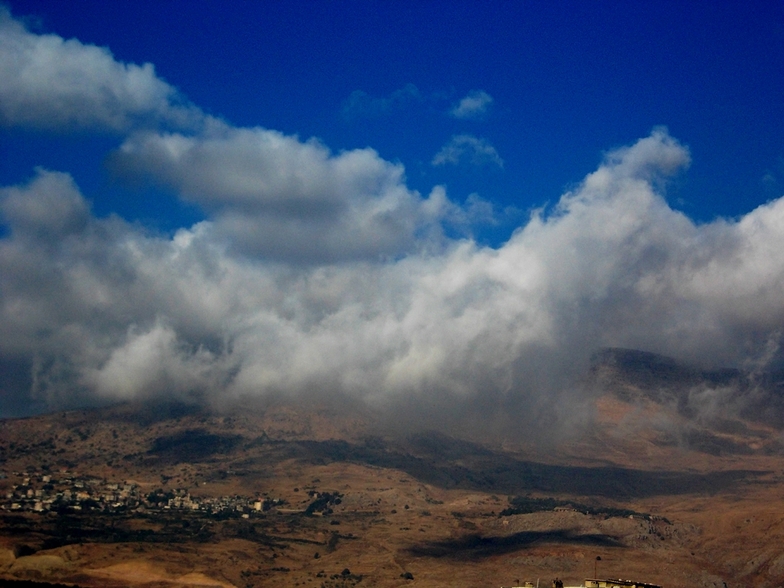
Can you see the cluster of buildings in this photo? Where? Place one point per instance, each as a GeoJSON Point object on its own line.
{"type": "Point", "coordinates": [69, 492]}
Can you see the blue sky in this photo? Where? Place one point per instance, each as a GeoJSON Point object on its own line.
{"type": "Point", "coordinates": [446, 206]}
{"type": "Point", "coordinates": [568, 81]}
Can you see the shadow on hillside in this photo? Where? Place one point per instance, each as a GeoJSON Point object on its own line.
{"type": "Point", "coordinates": [477, 547]}
{"type": "Point", "coordinates": [474, 467]}
{"type": "Point", "coordinates": [192, 445]}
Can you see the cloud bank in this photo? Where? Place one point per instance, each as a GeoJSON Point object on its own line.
{"type": "Point", "coordinates": [322, 274]}
{"type": "Point", "coordinates": [96, 308]}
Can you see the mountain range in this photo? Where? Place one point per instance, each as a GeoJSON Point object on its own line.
{"type": "Point", "coordinates": [673, 478]}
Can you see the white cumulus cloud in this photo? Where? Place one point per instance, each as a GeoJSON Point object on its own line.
{"type": "Point", "coordinates": [462, 331]}
{"type": "Point", "coordinates": [53, 83]}
{"type": "Point", "coordinates": [273, 196]}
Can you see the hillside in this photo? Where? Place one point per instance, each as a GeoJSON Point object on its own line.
{"type": "Point", "coordinates": [659, 487]}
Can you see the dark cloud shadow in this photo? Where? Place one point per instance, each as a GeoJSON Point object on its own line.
{"type": "Point", "coordinates": [447, 463]}
{"type": "Point", "coordinates": [478, 547]}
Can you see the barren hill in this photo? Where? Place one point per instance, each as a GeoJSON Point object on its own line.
{"type": "Point", "coordinates": [676, 482]}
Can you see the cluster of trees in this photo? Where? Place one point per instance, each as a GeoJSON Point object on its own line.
{"type": "Point", "coordinates": [322, 502]}
{"type": "Point", "coordinates": [529, 504]}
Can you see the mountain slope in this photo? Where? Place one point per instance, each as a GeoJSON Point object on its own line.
{"type": "Point", "coordinates": [661, 488]}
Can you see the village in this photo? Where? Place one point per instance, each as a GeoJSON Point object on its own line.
{"type": "Point", "coordinates": [69, 492]}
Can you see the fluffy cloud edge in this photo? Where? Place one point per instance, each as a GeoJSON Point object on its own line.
{"type": "Point", "coordinates": [55, 84]}
{"type": "Point", "coordinates": [276, 197]}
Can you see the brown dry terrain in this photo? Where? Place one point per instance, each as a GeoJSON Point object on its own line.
{"type": "Point", "coordinates": [661, 488]}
